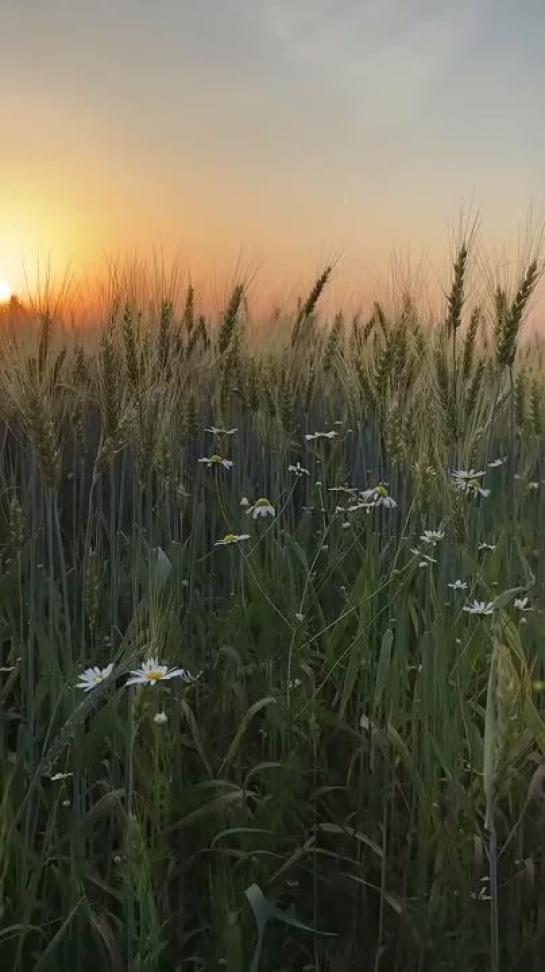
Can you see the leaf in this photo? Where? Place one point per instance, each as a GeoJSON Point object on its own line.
{"type": "Point", "coordinates": [383, 665]}
{"type": "Point", "coordinates": [333, 828]}
{"type": "Point", "coordinates": [245, 722]}
{"type": "Point", "coordinates": [263, 911]}
{"type": "Point", "coordinates": [211, 808]}
{"type": "Point", "coordinates": [489, 746]}
{"type": "Point", "coordinates": [162, 568]}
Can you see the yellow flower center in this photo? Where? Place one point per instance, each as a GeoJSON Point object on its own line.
{"type": "Point", "coordinates": [262, 502]}
{"type": "Point", "coordinates": [230, 538]}
{"type": "Point", "coordinates": [216, 458]}
{"type": "Point", "coordinates": [474, 484]}
{"type": "Point", "coordinates": [154, 676]}
{"type": "Point", "coordinates": [381, 490]}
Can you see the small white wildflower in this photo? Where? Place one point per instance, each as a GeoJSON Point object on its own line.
{"type": "Point", "coordinates": [458, 585]}
{"type": "Point", "coordinates": [298, 470]}
{"type": "Point", "coordinates": [432, 537]}
{"type": "Point", "coordinates": [300, 617]}
{"type": "Point", "coordinates": [219, 432]}
{"type": "Point", "coordinates": [497, 462]}
{"type": "Point", "coordinates": [467, 474]}
{"type": "Point", "coordinates": [310, 436]}
{"type": "Point", "coordinates": [91, 677]}
{"type": "Point", "coordinates": [261, 507]}
{"type": "Point", "coordinates": [487, 546]}
{"type": "Point", "coordinates": [245, 501]}
{"type": "Point", "coordinates": [66, 803]}
{"type": "Point", "coordinates": [8, 668]}
{"type": "Point", "coordinates": [295, 683]}
{"type": "Point", "coordinates": [231, 538]}
{"type": "Point", "coordinates": [151, 672]}
{"type": "Point", "coordinates": [480, 607]}
{"type": "Point", "coordinates": [521, 604]}
{"type": "Point", "coordinates": [533, 485]}
{"type": "Point", "coordinates": [377, 496]}
{"type": "Point", "coordinates": [57, 777]}
{"type": "Point", "coordinates": [342, 489]}
{"type": "Point", "coordinates": [216, 460]}
{"type": "Point", "coordinates": [160, 718]}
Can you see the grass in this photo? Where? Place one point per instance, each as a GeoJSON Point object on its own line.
{"type": "Point", "coordinates": [356, 779]}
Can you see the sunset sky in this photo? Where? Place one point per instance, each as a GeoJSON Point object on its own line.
{"type": "Point", "coordinates": [277, 131]}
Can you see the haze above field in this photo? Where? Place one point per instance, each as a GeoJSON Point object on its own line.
{"type": "Point", "coordinates": [277, 133]}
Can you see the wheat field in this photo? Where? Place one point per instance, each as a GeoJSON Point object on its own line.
{"type": "Point", "coordinates": [272, 655]}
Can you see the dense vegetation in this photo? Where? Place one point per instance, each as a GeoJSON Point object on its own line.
{"type": "Point", "coordinates": [352, 776]}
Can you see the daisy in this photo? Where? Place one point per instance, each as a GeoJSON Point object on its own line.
{"type": "Point", "coordinates": [151, 672]}
{"type": "Point", "coordinates": [432, 537]}
{"type": "Point", "coordinates": [458, 585]}
{"type": "Point", "coordinates": [261, 507]}
{"type": "Point", "coordinates": [378, 496]}
{"type": "Point", "coordinates": [230, 538]}
{"type": "Point", "coordinates": [480, 607]}
{"type": "Point", "coordinates": [465, 475]}
{"type": "Point", "coordinates": [216, 460]}
{"type": "Point", "coordinates": [521, 604]}
{"type": "Point", "coordinates": [160, 718]}
{"type": "Point", "coordinates": [321, 435]}
{"type": "Point", "coordinates": [497, 462]}
{"type": "Point", "coordinates": [298, 470]}
{"type": "Point", "coordinates": [487, 546]}
{"type": "Point", "coordinates": [245, 501]}
{"type": "Point", "coordinates": [215, 431]}
{"type": "Point", "coordinates": [533, 485]}
{"type": "Point", "coordinates": [471, 486]}
{"type": "Point", "coordinates": [91, 677]}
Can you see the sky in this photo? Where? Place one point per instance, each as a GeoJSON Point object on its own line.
{"type": "Point", "coordinates": [272, 134]}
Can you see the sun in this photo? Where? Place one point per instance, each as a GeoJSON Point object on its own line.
{"type": "Point", "coordinates": [5, 292]}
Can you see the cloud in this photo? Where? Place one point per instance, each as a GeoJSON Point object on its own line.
{"type": "Point", "coordinates": [381, 58]}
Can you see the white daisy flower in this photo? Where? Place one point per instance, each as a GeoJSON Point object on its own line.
{"type": "Point", "coordinates": [465, 475]}
{"type": "Point", "coordinates": [58, 777]}
{"type": "Point", "coordinates": [245, 501]}
{"type": "Point", "coordinates": [521, 604]}
{"type": "Point", "coordinates": [215, 431]}
{"type": "Point", "coordinates": [91, 677]}
{"type": "Point", "coordinates": [378, 496]}
{"type": "Point", "coordinates": [497, 462]}
{"type": "Point", "coordinates": [310, 436]}
{"type": "Point", "coordinates": [160, 718]}
{"type": "Point", "coordinates": [432, 537]}
{"type": "Point", "coordinates": [487, 546]}
{"type": "Point", "coordinates": [458, 585]}
{"type": "Point", "coordinates": [471, 486]}
{"type": "Point", "coordinates": [350, 491]}
{"type": "Point", "coordinates": [151, 672]}
{"type": "Point", "coordinates": [533, 485]}
{"type": "Point", "coordinates": [261, 507]}
{"type": "Point", "coordinates": [480, 607]}
{"type": "Point", "coordinates": [216, 460]}
{"type": "Point", "coordinates": [230, 538]}
{"type": "Point", "coordinates": [298, 470]}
